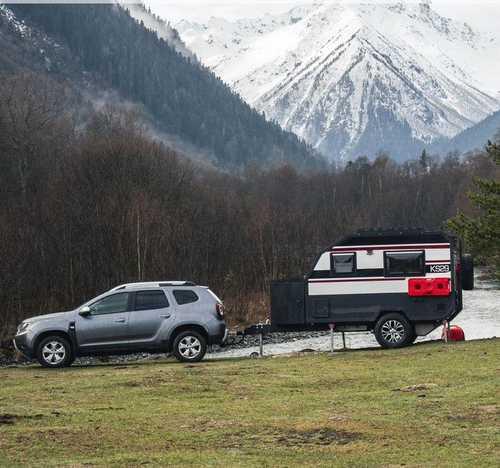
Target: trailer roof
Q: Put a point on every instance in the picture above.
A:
(394, 236)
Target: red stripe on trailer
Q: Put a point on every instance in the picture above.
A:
(390, 247)
(431, 262)
(346, 280)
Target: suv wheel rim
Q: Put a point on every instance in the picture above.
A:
(189, 347)
(54, 352)
(393, 331)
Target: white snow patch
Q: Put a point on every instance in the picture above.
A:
(20, 27)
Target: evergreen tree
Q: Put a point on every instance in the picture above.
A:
(424, 160)
(482, 233)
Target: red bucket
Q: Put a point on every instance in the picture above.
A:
(455, 333)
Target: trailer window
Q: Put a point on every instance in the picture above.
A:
(343, 263)
(404, 263)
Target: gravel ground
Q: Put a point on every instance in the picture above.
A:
(240, 343)
(479, 319)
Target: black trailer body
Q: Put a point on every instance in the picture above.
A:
(288, 303)
(398, 283)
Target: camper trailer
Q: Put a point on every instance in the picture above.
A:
(399, 284)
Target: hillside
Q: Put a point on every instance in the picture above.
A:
(472, 138)
(143, 15)
(101, 47)
(427, 405)
(353, 79)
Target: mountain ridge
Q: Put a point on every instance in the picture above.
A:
(471, 139)
(354, 80)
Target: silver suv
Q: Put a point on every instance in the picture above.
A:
(157, 317)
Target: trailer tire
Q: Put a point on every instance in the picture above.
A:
(467, 272)
(394, 331)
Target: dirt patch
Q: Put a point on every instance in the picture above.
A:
(338, 418)
(7, 418)
(488, 409)
(132, 383)
(108, 408)
(321, 436)
(152, 381)
(478, 414)
(417, 387)
(487, 412)
(463, 418)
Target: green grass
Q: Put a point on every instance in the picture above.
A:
(351, 409)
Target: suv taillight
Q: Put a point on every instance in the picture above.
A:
(219, 308)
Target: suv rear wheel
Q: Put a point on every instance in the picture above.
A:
(394, 331)
(54, 351)
(189, 346)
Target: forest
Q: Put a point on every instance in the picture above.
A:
(103, 47)
(87, 205)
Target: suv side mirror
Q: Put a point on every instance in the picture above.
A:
(85, 311)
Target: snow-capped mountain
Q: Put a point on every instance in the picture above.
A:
(354, 79)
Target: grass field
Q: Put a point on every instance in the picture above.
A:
(431, 404)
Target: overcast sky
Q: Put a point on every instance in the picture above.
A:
(480, 13)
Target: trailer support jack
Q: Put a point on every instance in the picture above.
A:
(332, 328)
(446, 331)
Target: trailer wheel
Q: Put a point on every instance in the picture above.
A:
(394, 331)
(467, 272)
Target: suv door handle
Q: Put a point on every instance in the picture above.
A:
(165, 316)
(120, 320)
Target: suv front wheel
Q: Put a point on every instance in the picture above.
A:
(189, 346)
(54, 351)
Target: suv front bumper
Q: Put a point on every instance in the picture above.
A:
(21, 345)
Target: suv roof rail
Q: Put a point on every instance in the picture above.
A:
(177, 283)
(153, 284)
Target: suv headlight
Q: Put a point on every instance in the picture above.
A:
(23, 327)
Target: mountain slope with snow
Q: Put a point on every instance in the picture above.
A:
(101, 51)
(161, 27)
(355, 79)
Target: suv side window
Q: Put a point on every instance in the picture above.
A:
(185, 296)
(115, 304)
(149, 300)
